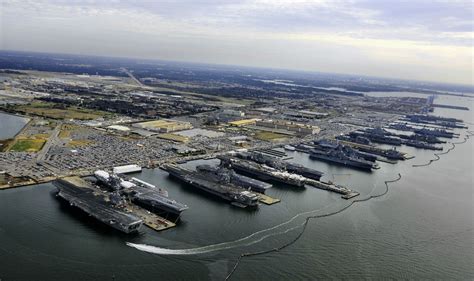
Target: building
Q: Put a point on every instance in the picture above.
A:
(119, 128)
(232, 112)
(127, 169)
(306, 114)
(301, 129)
(164, 125)
(243, 122)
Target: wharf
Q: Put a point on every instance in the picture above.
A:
(150, 219)
(346, 193)
(265, 199)
(449, 106)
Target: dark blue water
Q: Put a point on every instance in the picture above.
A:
(10, 125)
(422, 229)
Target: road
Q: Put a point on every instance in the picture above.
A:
(133, 77)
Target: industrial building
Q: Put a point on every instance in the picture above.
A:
(302, 129)
(232, 112)
(164, 125)
(243, 122)
(127, 169)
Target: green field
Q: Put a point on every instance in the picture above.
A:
(51, 110)
(269, 136)
(27, 145)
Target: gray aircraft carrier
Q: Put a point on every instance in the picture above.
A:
(99, 207)
(237, 196)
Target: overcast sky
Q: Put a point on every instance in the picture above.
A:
(409, 39)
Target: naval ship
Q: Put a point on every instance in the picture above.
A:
(101, 207)
(229, 192)
(378, 135)
(339, 156)
(280, 164)
(262, 172)
(225, 175)
(141, 193)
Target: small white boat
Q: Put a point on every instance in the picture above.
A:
(289, 147)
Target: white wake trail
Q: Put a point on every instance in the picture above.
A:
(225, 245)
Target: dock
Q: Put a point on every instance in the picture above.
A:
(265, 199)
(346, 193)
(150, 219)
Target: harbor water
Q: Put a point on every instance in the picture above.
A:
(10, 125)
(421, 229)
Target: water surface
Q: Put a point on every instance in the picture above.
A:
(422, 229)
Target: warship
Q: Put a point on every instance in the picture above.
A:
(278, 164)
(340, 156)
(225, 175)
(377, 135)
(420, 144)
(262, 171)
(103, 208)
(436, 133)
(141, 193)
(327, 145)
(237, 196)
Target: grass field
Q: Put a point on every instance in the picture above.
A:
(27, 145)
(66, 130)
(269, 136)
(51, 110)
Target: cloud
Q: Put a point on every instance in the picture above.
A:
(399, 35)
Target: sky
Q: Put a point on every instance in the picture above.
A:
(407, 39)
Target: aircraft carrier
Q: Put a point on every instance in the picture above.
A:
(225, 175)
(237, 196)
(327, 145)
(141, 193)
(101, 207)
(262, 171)
(441, 133)
(339, 156)
(436, 133)
(280, 164)
(435, 120)
(377, 135)
(271, 174)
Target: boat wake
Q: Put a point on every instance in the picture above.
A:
(251, 239)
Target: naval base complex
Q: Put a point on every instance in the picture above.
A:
(88, 133)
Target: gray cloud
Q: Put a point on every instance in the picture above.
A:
(406, 39)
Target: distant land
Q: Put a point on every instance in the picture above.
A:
(223, 80)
